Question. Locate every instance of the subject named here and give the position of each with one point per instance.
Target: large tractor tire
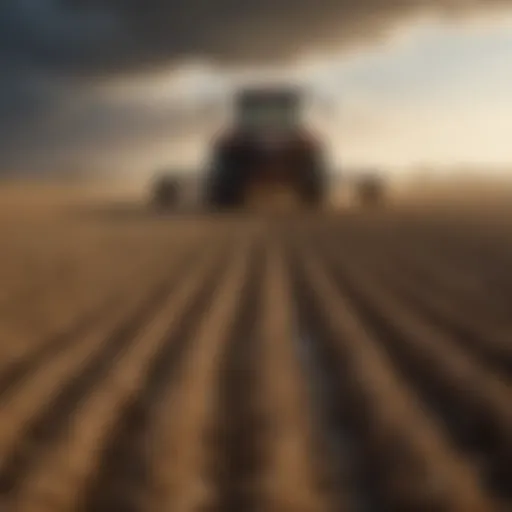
(235, 182)
(165, 195)
(370, 192)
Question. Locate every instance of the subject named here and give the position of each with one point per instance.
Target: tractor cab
(264, 110)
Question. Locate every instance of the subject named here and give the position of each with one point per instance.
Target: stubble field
(358, 362)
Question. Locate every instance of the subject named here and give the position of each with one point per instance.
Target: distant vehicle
(268, 157)
(165, 192)
(370, 190)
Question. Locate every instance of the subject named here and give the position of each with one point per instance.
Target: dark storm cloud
(109, 35)
(63, 127)
(50, 49)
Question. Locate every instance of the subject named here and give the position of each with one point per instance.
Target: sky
(124, 87)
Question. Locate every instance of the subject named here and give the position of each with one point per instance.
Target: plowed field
(360, 362)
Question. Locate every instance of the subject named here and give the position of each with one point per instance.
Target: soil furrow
(344, 472)
(179, 450)
(291, 477)
(48, 349)
(61, 474)
(45, 427)
(413, 467)
(474, 404)
(234, 437)
(125, 464)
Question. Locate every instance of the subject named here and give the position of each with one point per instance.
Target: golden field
(354, 360)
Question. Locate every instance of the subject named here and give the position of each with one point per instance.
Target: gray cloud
(68, 128)
(51, 49)
(99, 36)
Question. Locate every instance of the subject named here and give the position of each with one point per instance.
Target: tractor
(267, 158)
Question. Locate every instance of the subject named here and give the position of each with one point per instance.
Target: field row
(352, 364)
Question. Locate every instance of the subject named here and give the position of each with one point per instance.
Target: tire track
(45, 421)
(61, 474)
(234, 437)
(290, 480)
(179, 462)
(22, 361)
(474, 403)
(95, 271)
(466, 288)
(23, 367)
(471, 333)
(428, 475)
(122, 479)
(461, 267)
(489, 346)
(187, 392)
(344, 474)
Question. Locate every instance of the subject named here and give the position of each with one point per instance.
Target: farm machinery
(265, 158)
(268, 158)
